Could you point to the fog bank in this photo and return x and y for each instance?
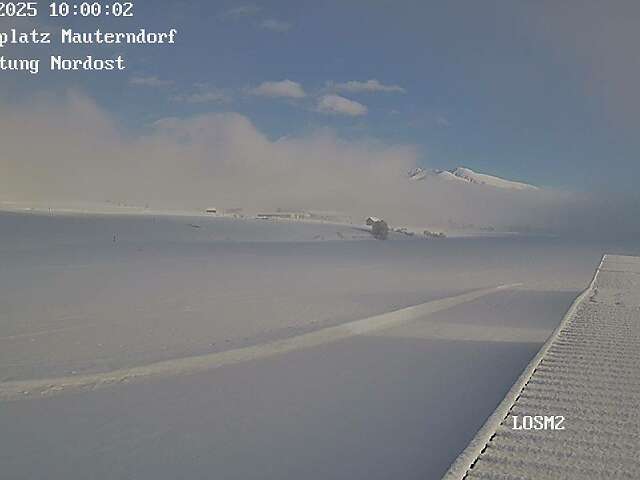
(69, 149)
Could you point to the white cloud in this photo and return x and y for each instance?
(337, 105)
(204, 94)
(372, 85)
(242, 11)
(259, 20)
(80, 155)
(275, 25)
(284, 88)
(150, 81)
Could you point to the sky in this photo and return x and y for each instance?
(528, 90)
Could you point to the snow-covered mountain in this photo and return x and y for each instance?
(418, 174)
(466, 175)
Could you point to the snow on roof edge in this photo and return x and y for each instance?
(464, 462)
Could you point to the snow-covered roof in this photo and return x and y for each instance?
(588, 373)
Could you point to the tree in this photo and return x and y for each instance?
(380, 230)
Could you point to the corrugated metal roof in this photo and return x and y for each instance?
(589, 373)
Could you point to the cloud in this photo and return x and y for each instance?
(337, 105)
(370, 86)
(204, 94)
(150, 81)
(284, 88)
(80, 155)
(275, 25)
(252, 11)
(242, 11)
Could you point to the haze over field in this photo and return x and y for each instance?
(222, 159)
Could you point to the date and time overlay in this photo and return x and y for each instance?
(14, 16)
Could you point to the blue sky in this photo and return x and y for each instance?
(498, 86)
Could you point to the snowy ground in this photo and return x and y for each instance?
(397, 403)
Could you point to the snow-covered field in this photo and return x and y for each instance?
(89, 295)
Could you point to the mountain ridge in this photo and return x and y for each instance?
(466, 175)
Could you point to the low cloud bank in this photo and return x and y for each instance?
(71, 150)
